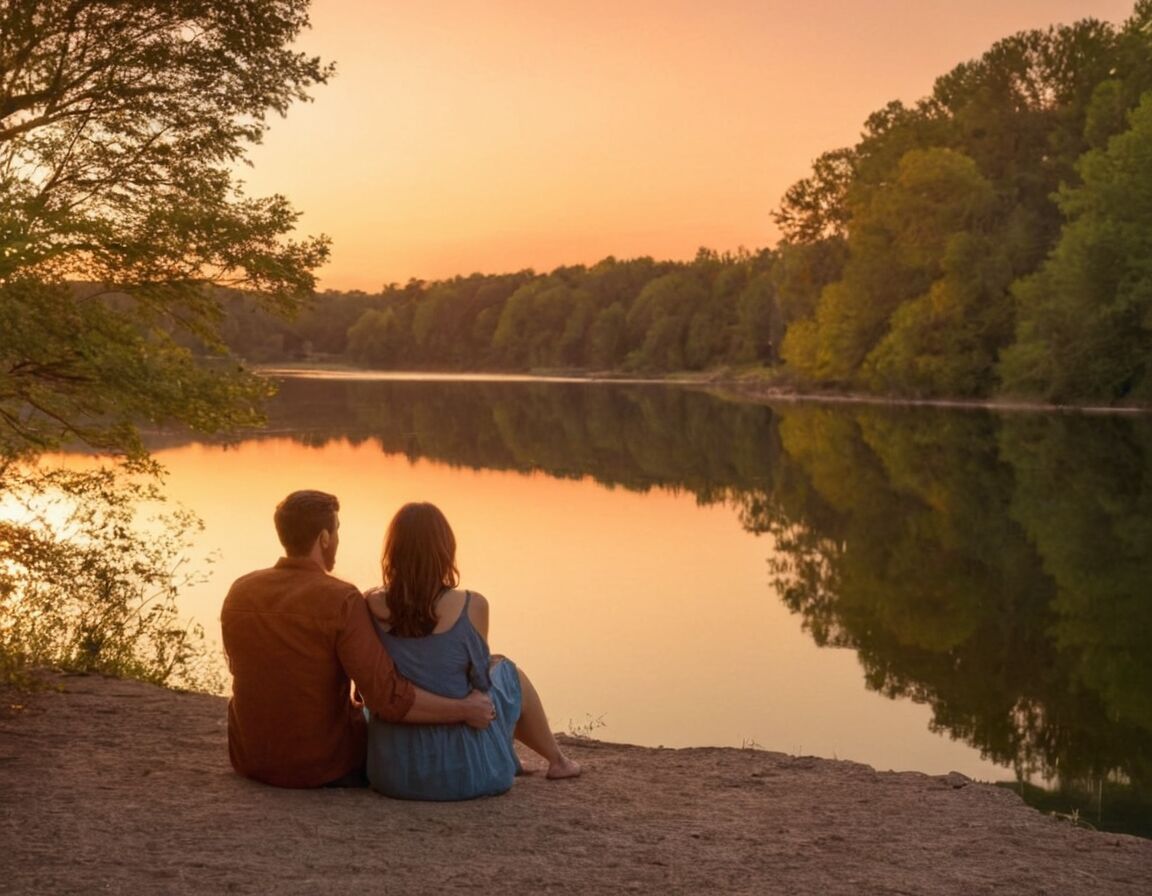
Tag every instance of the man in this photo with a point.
(296, 637)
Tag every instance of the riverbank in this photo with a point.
(750, 386)
(117, 786)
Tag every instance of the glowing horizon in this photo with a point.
(495, 137)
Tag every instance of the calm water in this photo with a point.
(911, 588)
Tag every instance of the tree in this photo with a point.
(1085, 319)
(921, 300)
(325, 323)
(123, 235)
(758, 325)
(945, 341)
(570, 348)
(516, 333)
(800, 271)
(92, 565)
(606, 338)
(120, 124)
(432, 321)
(534, 322)
(658, 319)
(375, 338)
(899, 241)
(815, 208)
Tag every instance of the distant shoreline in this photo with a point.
(722, 384)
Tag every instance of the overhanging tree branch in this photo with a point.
(118, 122)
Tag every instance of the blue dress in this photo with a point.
(447, 762)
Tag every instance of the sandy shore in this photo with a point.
(112, 786)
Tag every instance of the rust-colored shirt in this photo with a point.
(295, 638)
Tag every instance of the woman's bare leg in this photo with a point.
(532, 730)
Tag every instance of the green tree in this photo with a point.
(936, 312)
(570, 348)
(759, 325)
(611, 281)
(945, 342)
(815, 207)
(119, 126)
(375, 338)
(897, 246)
(123, 237)
(800, 271)
(322, 327)
(535, 323)
(84, 587)
(658, 319)
(1085, 318)
(606, 338)
(251, 333)
(435, 324)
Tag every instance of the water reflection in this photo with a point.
(995, 568)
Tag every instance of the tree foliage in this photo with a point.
(125, 239)
(1085, 323)
(91, 568)
(944, 205)
(120, 125)
(934, 258)
(624, 315)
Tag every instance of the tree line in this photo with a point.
(993, 238)
(996, 236)
(617, 315)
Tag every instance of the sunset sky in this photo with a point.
(462, 137)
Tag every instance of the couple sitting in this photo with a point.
(441, 711)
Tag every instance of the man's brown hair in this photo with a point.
(302, 516)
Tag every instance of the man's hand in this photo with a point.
(475, 710)
(478, 710)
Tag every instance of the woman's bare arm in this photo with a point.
(478, 614)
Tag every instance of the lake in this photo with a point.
(913, 588)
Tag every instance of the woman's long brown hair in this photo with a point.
(419, 563)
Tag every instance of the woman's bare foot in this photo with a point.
(563, 768)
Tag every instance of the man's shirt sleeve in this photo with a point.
(368, 664)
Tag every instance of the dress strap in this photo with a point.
(377, 624)
(463, 619)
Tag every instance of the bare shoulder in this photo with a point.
(448, 608)
(478, 600)
(478, 613)
(376, 603)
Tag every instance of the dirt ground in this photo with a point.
(111, 786)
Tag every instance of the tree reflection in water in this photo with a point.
(993, 566)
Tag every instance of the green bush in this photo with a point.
(90, 565)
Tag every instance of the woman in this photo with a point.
(437, 636)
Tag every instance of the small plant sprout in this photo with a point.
(584, 729)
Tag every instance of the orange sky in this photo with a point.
(493, 136)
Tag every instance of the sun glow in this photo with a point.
(462, 137)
